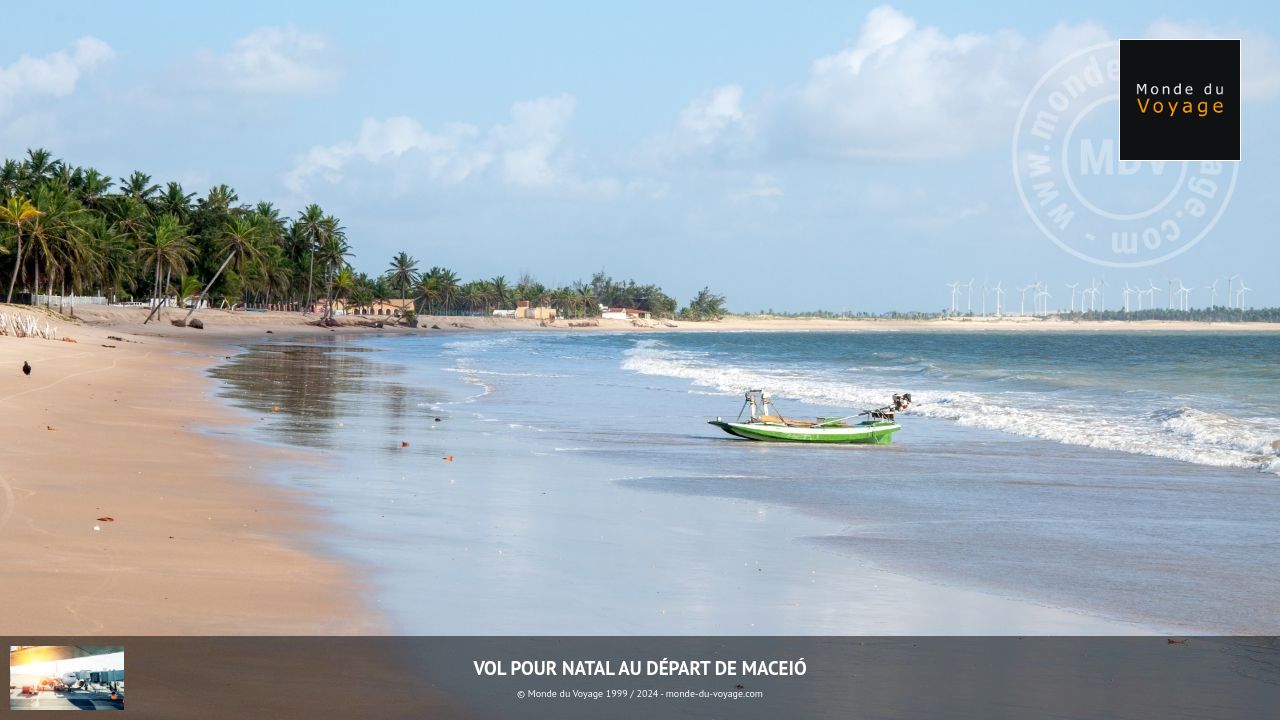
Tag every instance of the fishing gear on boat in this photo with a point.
(901, 403)
(766, 422)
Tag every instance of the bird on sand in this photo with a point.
(26, 368)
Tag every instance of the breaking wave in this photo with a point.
(1179, 433)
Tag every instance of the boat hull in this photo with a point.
(878, 434)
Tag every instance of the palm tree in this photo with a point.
(426, 293)
(446, 285)
(38, 167)
(10, 178)
(311, 221)
(239, 243)
(167, 249)
(17, 211)
(55, 234)
(139, 187)
(188, 286)
(403, 273)
(175, 201)
(344, 285)
(332, 256)
(114, 253)
(501, 293)
(92, 188)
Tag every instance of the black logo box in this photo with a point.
(1157, 73)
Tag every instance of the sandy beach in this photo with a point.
(112, 426)
(117, 425)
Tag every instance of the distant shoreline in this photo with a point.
(242, 322)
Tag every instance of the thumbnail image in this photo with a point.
(66, 677)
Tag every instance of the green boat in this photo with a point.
(766, 423)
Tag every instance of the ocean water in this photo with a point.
(566, 483)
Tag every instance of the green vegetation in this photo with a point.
(73, 230)
(705, 306)
(439, 291)
(1212, 314)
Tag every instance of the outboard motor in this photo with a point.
(901, 402)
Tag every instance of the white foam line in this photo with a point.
(1182, 433)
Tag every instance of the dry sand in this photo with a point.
(199, 544)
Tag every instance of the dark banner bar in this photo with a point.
(680, 677)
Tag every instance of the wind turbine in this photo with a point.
(1184, 296)
(1022, 303)
(1073, 287)
(984, 297)
(1128, 292)
(1042, 294)
(955, 290)
(1151, 294)
(1230, 280)
(1103, 290)
(969, 305)
(1213, 290)
(1240, 294)
(999, 298)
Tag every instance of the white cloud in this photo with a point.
(529, 143)
(54, 75)
(1259, 57)
(903, 90)
(525, 153)
(274, 61)
(708, 116)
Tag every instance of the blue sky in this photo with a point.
(726, 144)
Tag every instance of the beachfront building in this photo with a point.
(525, 310)
(624, 313)
(387, 308)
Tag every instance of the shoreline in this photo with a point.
(245, 555)
(244, 323)
(122, 424)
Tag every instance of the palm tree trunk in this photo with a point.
(17, 263)
(311, 268)
(204, 292)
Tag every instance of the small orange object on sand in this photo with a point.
(404, 443)
(448, 458)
